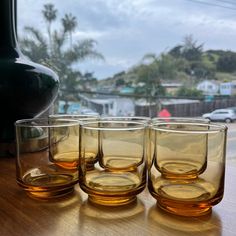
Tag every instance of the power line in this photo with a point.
(229, 2)
(211, 4)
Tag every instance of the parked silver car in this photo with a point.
(227, 115)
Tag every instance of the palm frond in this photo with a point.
(49, 12)
(35, 51)
(36, 35)
(69, 22)
(83, 50)
(58, 40)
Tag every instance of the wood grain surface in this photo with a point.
(23, 216)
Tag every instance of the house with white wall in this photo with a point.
(208, 87)
(228, 88)
(110, 106)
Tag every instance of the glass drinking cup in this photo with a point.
(171, 119)
(71, 160)
(187, 169)
(143, 119)
(39, 143)
(119, 172)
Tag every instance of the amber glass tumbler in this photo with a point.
(187, 169)
(39, 143)
(70, 160)
(119, 172)
(171, 119)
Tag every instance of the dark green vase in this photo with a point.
(26, 88)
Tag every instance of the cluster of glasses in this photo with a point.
(182, 160)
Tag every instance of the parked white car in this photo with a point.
(227, 115)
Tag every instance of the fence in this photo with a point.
(187, 110)
(192, 109)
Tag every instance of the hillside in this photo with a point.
(187, 64)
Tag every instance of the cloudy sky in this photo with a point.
(125, 30)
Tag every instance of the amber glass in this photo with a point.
(187, 169)
(172, 119)
(144, 119)
(180, 119)
(119, 172)
(71, 159)
(39, 143)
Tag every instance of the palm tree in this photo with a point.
(50, 15)
(149, 73)
(36, 47)
(57, 55)
(69, 23)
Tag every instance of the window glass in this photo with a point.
(129, 50)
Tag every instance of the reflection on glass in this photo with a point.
(61, 141)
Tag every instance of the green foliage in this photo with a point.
(188, 92)
(176, 51)
(225, 77)
(55, 52)
(49, 12)
(69, 23)
(201, 70)
(191, 51)
(120, 74)
(167, 67)
(187, 63)
(148, 75)
(120, 82)
(227, 62)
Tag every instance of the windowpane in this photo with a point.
(148, 53)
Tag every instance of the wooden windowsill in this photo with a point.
(23, 216)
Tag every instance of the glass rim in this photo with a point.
(139, 125)
(216, 127)
(179, 118)
(80, 118)
(126, 118)
(43, 123)
(73, 115)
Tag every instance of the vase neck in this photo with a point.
(8, 41)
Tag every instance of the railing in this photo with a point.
(150, 105)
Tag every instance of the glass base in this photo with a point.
(111, 201)
(47, 192)
(185, 209)
(185, 197)
(47, 195)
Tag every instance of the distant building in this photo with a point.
(110, 106)
(171, 88)
(127, 90)
(144, 108)
(68, 107)
(228, 88)
(208, 87)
